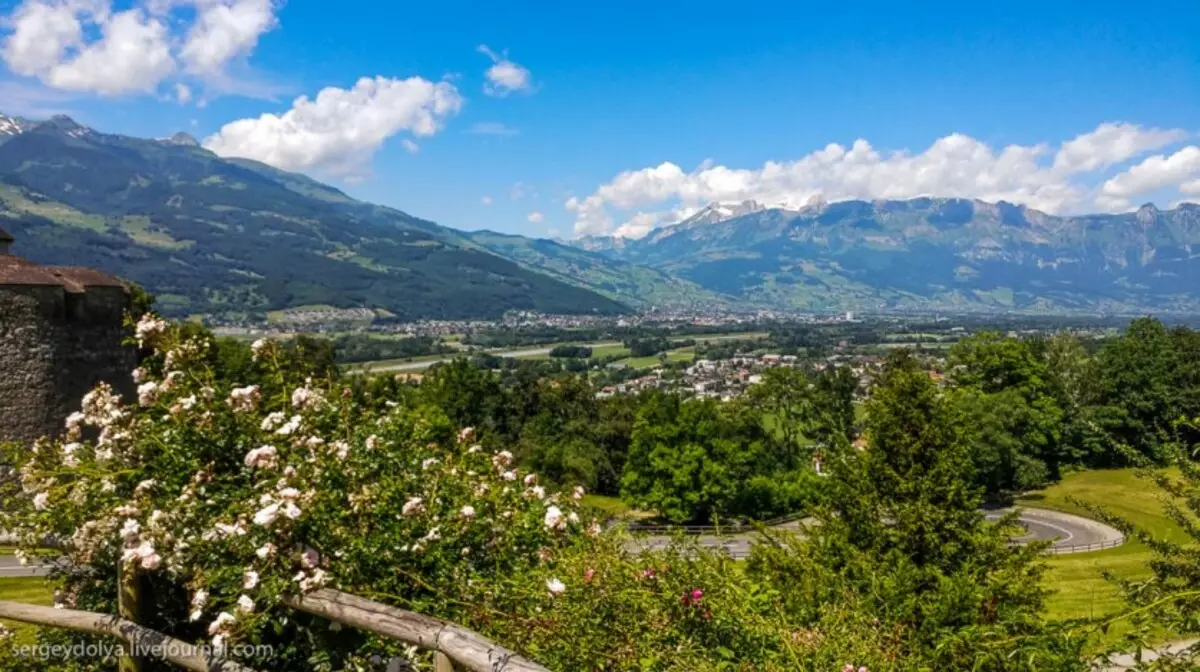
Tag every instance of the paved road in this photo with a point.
(10, 567)
(1068, 534)
(1128, 661)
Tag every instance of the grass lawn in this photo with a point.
(682, 354)
(1080, 589)
(608, 350)
(32, 590)
(677, 355)
(642, 362)
(612, 507)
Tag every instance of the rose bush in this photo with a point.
(240, 495)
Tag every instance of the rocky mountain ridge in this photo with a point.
(935, 253)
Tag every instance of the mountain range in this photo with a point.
(233, 238)
(932, 254)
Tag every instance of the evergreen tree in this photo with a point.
(903, 539)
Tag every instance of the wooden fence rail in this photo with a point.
(455, 647)
(466, 649)
(181, 653)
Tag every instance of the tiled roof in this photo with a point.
(18, 271)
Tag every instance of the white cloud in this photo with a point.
(225, 30)
(1155, 172)
(505, 76)
(1191, 188)
(410, 146)
(536, 217)
(340, 129)
(956, 165)
(517, 191)
(49, 41)
(645, 222)
(486, 200)
(491, 128)
(86, 46)
(183, 93)
(1112, 143)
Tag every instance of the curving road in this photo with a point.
(1066, 532)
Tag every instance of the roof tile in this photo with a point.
(18, 271)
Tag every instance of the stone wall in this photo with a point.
(54, 347)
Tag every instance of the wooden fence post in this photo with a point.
(129, 607)
(442, 663)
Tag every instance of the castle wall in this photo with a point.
(54, 347)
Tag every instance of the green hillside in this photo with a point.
(236, 237)
(639, 286)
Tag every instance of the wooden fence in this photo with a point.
(455, 648)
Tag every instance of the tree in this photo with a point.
(902, 538)
(648, 346)
(785, 397)
(470, 395)
(572, 351)
(689, 460)
(1013, 417)
(833, 403)
(1137, 389)
(1005, 434)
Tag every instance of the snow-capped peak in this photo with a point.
(718, 212)
(66, 125)
(13, 125)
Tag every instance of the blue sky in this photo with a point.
(642, 111)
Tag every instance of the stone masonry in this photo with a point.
(60, 334)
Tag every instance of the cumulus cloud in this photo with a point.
(486, 200)
(339, 130)
(536, 217)
(1111, 143)
(1153, 173)
(505, 76)
(410, 146)
(86, 46)
(225, 30)
(956, 165)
